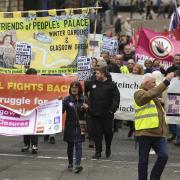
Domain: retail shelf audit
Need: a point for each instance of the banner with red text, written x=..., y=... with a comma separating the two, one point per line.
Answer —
x=25, y=92
x=46, y=119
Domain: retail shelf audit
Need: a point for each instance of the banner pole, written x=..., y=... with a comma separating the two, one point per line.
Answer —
x=175, y=3
x=95, y=23
x=58, y=10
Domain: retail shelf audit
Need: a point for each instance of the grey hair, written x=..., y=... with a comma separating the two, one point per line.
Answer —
x=147, y=77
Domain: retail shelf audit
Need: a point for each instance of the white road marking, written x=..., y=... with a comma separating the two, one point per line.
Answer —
x=177, y=171
x=100, y=160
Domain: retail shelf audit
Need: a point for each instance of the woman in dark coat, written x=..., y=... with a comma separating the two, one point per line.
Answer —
x=74, y=136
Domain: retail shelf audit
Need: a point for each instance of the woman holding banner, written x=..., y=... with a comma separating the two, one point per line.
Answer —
x=74, y=130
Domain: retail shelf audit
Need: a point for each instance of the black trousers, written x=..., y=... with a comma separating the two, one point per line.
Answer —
x=30, y=140
x=102, y=126
x=89, y=126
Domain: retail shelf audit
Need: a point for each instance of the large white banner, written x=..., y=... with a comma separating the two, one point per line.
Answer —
x=45, y=119
x=129, y=83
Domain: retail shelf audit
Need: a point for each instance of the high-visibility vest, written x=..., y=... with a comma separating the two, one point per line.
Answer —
x=146, y=117
x=124, y=69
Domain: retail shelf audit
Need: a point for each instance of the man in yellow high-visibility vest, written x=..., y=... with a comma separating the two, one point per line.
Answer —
x=150, y=126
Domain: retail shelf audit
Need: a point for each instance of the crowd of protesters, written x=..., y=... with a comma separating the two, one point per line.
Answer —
x=102, y=98
x=101, y=102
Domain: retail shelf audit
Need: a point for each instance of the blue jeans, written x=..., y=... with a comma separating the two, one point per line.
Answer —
x=160, y=147
x=172, y=128
x=70, y=150
x=178, y=131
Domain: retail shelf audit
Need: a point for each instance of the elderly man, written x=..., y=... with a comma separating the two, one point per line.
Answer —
x=119, y=61
x=150, y=126
x=112, y=67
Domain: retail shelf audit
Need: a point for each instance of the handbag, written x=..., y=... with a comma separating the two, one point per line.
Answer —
x=82, y=123
x=83, y=126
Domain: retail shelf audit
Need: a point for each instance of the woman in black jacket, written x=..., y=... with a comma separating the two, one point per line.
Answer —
x=74, y=136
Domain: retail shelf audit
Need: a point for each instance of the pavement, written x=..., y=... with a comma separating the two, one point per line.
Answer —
x=156, y=24
x=51, y=161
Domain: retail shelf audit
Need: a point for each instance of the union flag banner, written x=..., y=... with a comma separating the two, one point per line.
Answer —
x=153, y=45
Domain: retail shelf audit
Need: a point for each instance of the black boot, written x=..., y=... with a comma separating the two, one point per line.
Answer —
x=97, y=155
x=70, y=167
x=25, y=148
x=108, y=152
x=52, y=140
x=78, y=169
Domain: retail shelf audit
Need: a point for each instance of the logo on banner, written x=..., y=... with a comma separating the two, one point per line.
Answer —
x=161, y=47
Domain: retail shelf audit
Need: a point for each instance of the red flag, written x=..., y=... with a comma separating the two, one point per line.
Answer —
x=153, y=45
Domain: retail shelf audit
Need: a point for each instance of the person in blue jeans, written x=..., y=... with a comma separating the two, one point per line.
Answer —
x=177, y=141
x=74, y=135
x=150, y=126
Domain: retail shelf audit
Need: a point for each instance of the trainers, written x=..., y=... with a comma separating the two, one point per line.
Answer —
x=52, y=140
x=152, y=152
x=97, y=155
x=34, y=149
x=108, y=153
x=25, y=148
x=171, y=137
x=177, y=142
x=78, y=169
x=70, y=167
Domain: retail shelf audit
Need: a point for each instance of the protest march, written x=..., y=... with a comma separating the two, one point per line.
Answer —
x=62, y=72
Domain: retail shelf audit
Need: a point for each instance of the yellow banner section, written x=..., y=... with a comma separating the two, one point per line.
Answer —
x=17, y=14
x=52, y=12
x=57, y=71
x=43, y=42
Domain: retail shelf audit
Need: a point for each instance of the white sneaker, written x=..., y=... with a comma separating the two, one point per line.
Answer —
x=34, y=149
x=152, y=152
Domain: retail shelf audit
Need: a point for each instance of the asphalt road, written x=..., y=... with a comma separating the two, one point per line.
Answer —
x=51, y=161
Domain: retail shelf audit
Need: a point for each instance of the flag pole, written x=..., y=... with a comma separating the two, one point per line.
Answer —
x=175, y=3
x=95, y=24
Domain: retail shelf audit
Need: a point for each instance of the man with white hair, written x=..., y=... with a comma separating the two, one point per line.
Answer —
x=150, y=126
